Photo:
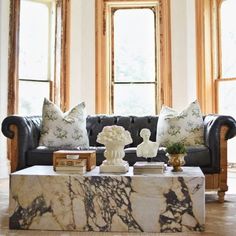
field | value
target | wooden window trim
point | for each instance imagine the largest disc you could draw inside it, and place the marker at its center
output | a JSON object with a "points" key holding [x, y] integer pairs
{"points": [[13, 57], [62, 7], [204, 54], [164, 68]]}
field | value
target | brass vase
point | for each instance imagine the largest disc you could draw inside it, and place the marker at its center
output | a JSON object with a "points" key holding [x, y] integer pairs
{"points": [[176, 160]]}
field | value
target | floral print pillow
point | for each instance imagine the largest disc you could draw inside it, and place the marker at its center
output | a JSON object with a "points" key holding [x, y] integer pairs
{"points": [[185, 127], [63, 129]]}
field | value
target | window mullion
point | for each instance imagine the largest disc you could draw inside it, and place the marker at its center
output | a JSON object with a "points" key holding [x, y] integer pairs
{"points": [[137, 82], [33, 80]]}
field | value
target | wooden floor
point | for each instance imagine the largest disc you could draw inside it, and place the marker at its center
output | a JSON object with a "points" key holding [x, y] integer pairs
{"points": [[220, 218]]}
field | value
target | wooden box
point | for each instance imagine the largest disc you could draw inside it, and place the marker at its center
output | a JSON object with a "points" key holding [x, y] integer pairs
{"points": [[90, 156]]}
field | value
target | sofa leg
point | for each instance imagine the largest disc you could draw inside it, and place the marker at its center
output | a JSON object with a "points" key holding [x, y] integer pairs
{"points": [[223, 187], [221, 192], [221, 196]]}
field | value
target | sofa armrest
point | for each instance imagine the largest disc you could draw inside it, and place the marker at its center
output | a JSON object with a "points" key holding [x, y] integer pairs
{"points": [[217, 130], [214, 125], [23, 132], [212, 128]]}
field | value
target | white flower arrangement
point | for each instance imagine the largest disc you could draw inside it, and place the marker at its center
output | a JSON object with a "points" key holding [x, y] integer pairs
{"points": [[114, 138], [114, 134]]}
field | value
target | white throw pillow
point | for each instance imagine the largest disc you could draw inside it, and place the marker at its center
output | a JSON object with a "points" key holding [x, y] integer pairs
{"points": [[185, 127], [63, 129]]}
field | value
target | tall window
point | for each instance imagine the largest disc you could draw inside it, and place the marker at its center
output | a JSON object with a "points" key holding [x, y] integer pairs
{"points": [[228, 38], [216, 50], [226, 85], [38, 52], [36, 44], [227, 79], [134, 69], [132, 56]]}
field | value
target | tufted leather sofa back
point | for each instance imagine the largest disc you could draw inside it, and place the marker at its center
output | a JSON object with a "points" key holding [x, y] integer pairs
{"points": [[29, 128], [28, 133], [133, 124]]}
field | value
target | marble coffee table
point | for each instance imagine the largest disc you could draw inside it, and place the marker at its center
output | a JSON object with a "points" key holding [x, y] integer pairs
{"points": [[45, 200]]}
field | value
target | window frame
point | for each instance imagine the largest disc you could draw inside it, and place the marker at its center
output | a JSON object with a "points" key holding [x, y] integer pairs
{"points": [[50, 74], [209, 54], [206, 53], [112, 10], [61, 54], [220, 78], [103, 51]]}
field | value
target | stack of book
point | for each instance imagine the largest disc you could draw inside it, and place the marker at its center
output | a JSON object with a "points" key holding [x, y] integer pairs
{"points": [[63, 155], [142, 167], [71, 166]]}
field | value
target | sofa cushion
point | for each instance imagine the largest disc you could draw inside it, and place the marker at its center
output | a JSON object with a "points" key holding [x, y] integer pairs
{"points": [[40, 156], [196, 156], [185, 127], [133, 124], [63, 129]]}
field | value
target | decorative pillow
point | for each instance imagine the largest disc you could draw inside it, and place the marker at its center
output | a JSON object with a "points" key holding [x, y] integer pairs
{"points": [[63, 129], [185, 127]]}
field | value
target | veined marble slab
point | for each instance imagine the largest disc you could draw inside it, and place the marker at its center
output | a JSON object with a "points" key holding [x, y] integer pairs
{"points": [[171, 202]]}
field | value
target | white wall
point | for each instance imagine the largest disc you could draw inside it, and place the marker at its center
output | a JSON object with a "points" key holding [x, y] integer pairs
{"points": [[4, 29], [83, 53], [191, 51], [183, 52]]}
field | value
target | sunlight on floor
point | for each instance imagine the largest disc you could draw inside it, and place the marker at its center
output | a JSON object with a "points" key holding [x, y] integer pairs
{"points": [[4, 168], [232, 181]]}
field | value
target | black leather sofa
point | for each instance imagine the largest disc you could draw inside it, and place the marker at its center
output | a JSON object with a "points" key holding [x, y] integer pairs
{"points": [[211, 158]]}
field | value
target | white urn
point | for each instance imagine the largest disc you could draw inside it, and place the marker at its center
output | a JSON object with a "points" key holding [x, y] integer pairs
{"points": [[114, 138]]}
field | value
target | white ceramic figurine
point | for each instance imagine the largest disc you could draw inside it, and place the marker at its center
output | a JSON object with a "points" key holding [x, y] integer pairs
{"points": [[114, 138], [147, 148]]}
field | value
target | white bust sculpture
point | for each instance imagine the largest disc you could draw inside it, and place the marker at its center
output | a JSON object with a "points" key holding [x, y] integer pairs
{"points": [[147, 148]]}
